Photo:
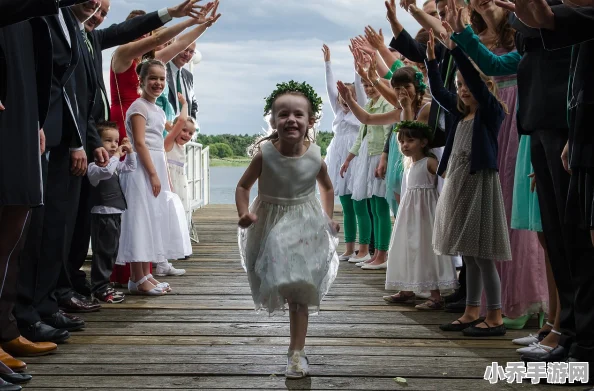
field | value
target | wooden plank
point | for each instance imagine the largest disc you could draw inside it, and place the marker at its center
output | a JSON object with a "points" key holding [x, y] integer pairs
{"points": [[206, 335]]}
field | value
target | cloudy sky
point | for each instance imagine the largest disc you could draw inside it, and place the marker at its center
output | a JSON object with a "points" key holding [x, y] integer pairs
{"points": [[258, 43]]}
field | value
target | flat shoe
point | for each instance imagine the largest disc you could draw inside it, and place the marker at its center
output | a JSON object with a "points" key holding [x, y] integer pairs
{"points": [[369, 266], [399, 298], [362, 259], [430, 305], [458, 326], [16, 378], [489, 331]]}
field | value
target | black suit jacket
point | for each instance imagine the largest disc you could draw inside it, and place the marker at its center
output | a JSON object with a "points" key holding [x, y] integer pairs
{"points": [[417, 52], [115, 35], [14, 11], [61, 122], [187, 89]]}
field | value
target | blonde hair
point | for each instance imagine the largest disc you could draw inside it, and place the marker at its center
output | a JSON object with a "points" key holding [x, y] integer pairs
{"points": [[190, 119]]}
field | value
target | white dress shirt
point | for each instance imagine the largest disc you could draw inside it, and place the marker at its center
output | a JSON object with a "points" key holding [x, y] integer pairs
{"points": [[97, 174]]}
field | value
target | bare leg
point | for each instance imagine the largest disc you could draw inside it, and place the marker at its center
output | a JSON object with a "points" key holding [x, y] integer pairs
{"points": [[293, 325], [552, 339], [137, 271], [302, 321], [350, 248], [379, 257]]}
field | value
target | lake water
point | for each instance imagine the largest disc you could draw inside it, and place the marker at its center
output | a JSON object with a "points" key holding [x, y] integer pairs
{"points": [[223, 182]]}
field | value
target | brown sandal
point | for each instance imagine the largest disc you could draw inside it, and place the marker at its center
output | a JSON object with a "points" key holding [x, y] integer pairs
{"points": [[399, 298], [430, 305]]}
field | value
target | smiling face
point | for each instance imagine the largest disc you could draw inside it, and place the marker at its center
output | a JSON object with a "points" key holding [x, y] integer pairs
{"points": [[291, 117], [186, 56], [98, 17], [153, 83], [187, 133], [86, 10], [370, 91], [110, 138]]}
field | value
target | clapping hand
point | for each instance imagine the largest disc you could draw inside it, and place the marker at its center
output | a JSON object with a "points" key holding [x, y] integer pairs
{"points": [[533, 13], [247, 219], [457, 17], [326, 51], [375, 40]]}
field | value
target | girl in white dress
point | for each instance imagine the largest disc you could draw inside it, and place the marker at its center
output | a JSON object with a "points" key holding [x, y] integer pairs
{"points": [[413, 267], [153, 226], [287, 240], [346, 129]]}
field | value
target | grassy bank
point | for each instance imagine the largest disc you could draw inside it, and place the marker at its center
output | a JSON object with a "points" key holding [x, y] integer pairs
{"points": [[230, 162]]}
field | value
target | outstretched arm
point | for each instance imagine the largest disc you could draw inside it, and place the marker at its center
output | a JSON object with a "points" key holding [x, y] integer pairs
{"points": [[179, 125], [572, 26], [488, 62], [363, 116]]}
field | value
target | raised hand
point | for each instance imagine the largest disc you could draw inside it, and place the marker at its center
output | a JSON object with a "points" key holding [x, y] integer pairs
{"points": [[407, 3], [344, 92], [404, 99], [213, 17], [181, 99], [533, 13], [362, 44], [187, 8], [375, 40], [431, 46], [247, 219], [326, 51], [446, 38], [391, 11], [457, 17]]}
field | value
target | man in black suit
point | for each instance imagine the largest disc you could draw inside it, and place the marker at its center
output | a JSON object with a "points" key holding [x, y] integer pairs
{"points": [[95, 42], [72, 96], [182, 80]]}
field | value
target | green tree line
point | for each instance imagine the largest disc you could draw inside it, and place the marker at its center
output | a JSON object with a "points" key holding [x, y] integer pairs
{"points": [[233, 145]]}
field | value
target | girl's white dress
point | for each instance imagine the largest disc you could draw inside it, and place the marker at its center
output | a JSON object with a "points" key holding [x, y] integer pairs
{"points": [[412, 264], [346, 129], [176, 161], [289, 254], [154, 229]]}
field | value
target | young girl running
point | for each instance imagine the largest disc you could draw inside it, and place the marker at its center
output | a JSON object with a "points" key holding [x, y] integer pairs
{"points": [[286, 239], [413, 267], [364, 184], [345, 128], [470, 216], [153, 226]]}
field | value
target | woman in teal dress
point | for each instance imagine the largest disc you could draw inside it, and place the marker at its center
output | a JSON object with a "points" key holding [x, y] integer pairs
{"points": [[525, 207], [164, 104]]}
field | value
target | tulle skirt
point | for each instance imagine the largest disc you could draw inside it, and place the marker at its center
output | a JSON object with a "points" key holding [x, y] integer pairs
{"points": [[337, 152], [289, 255], [363, 182], [154, 229]]}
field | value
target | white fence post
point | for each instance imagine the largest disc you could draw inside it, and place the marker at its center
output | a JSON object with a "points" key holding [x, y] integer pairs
{"points": [[198, 176]]}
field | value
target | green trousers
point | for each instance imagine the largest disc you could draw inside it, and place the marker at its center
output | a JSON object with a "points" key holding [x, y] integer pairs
{"points": [[382, 225]]}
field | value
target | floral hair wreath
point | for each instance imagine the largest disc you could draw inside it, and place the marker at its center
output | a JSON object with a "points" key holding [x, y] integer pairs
{"points": [[415, 125], [293, 86]]}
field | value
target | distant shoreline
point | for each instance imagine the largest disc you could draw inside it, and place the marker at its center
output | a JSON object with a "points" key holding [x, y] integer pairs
{"points": [[233, 162]]}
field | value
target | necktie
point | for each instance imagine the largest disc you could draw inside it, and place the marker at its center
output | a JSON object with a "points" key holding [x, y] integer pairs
{"points": [[179, 89], [103, 97]]}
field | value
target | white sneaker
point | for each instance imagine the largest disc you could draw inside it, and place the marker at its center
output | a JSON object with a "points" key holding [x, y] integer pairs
{"points": [[362, 259], [167, 269], [346, 257], [297, 365], [526, 341], [535, 348]]}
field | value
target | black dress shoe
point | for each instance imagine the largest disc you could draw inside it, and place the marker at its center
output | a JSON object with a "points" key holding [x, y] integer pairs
{"points": [[62, 322], [41, 332], [78, 303], [456, 307], [4, 386], [16, 378], [558, 354], [489, 331]]}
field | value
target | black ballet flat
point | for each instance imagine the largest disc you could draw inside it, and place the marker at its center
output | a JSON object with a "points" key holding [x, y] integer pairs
{"points": [[489, 331], [458, 326]]}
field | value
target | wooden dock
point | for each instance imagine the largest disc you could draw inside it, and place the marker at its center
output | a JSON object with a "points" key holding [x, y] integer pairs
{"points": [[205, 335]]}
